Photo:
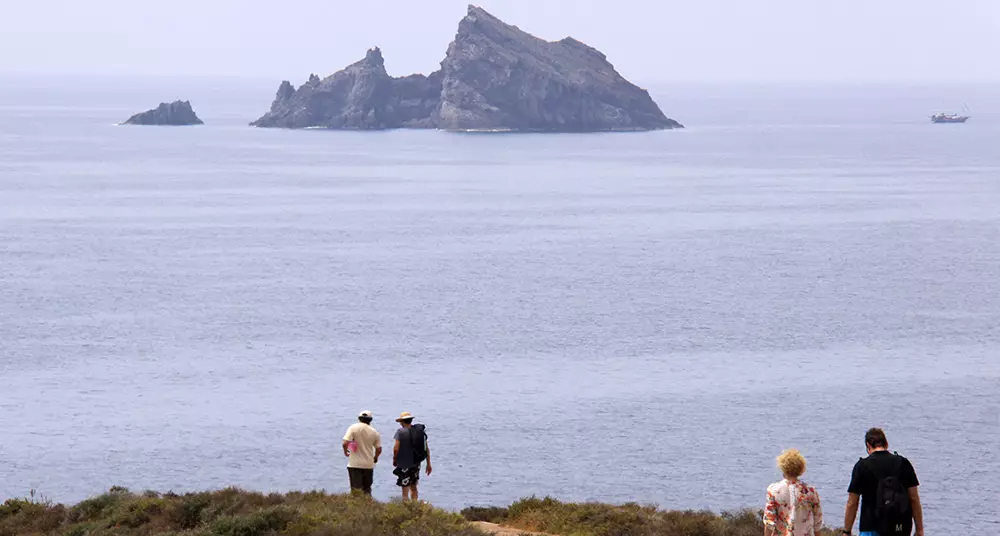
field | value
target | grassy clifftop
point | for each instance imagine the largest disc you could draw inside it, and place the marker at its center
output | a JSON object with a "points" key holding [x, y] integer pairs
{"points": [[229, 512], [233, 512], [594, 519]]}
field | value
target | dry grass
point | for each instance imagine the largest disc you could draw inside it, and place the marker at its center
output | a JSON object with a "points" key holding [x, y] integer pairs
{"points": [[229, 512], [592, 519], [234, 512]]}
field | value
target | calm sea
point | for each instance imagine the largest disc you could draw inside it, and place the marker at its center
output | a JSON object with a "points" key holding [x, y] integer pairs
{"points": [[631, 317]]}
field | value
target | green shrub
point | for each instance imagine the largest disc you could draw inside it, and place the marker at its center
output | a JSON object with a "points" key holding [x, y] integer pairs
{"points": [[235, 502], [99, 507], [184, 511], [78, 530], [136, 513], [490, 514], [269, 521], [13, 507], [25, 516]]}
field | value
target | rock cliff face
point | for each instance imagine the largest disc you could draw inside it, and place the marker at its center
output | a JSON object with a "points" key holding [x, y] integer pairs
{"points": [[494, 77], [361, 97], [499, 77], [177, 113]]}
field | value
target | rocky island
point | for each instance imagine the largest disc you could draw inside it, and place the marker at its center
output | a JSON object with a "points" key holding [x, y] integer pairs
{"points": [[495, 77], [177, 113]]}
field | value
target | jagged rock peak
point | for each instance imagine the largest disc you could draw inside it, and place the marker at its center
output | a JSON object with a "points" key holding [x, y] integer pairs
{"points": [[361, 96], [499, 77], [478, 19], [495, 76], [476, 12], [285, 91], [177, 113], [374, 57]]}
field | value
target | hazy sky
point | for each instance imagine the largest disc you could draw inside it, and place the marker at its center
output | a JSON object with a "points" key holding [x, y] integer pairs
{"points": [[647, 40]]}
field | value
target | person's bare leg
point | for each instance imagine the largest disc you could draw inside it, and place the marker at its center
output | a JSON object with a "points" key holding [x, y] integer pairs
{"points": [[406, 493], [414, 494]]}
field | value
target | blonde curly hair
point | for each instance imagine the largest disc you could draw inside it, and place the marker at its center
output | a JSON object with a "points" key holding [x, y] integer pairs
{"points": [[792, 463]]}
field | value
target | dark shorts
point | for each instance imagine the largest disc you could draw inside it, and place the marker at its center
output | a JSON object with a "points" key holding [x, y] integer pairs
{"points": [[361, 479], [407, 477]]}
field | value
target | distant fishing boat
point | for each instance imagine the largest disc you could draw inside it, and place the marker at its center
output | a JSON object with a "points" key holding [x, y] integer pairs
{"points": [[952, 118], [949, 118]]}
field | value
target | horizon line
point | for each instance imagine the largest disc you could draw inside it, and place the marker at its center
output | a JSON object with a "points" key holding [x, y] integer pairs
{"points": [[277, 78]]}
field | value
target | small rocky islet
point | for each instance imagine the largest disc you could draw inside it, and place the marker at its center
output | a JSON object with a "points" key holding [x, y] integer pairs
{"points": [[177, 113], [495, 77]]}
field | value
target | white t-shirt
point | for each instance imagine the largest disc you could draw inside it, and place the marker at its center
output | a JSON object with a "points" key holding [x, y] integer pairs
{"points": [[367, 439]]}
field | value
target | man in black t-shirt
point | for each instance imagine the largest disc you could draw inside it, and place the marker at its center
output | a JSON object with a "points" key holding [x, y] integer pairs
{"points": [[864, 485]]}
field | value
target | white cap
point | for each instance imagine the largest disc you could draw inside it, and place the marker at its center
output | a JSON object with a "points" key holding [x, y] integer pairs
{"points": [[366, 414]]}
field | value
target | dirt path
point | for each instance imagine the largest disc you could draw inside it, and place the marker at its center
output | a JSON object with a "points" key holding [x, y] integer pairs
{"points": [[497, 530]]}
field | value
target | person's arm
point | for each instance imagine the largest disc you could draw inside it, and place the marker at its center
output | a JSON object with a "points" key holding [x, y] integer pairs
{"points": [[378, 452], [770, 514], [918, 511], [858, 481], [851, 511], [428, 449], [817, 515], [395, 453], [909, 479]]}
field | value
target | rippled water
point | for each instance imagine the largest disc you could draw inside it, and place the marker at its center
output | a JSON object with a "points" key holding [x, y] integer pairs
{"points": [[646, 317]]}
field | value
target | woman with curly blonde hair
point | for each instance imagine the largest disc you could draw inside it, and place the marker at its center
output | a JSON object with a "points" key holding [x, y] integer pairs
{"points": [[792, 507]]}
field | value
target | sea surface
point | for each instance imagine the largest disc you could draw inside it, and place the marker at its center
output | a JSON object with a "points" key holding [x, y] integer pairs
{"points": [[644, 317]]}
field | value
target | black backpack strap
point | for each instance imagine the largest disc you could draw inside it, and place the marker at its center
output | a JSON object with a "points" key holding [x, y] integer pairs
{"points": [[872, 468], [898, 466]]}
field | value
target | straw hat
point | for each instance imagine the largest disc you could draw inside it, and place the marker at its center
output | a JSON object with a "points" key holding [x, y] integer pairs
{"points": [[406, 415]]}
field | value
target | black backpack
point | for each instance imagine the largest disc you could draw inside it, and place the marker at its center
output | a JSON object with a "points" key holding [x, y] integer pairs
{"points": [[893, 512], [418, 442]]}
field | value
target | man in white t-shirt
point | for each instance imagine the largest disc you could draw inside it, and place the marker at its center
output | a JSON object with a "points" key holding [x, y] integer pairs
{"points": [[362, 447]]}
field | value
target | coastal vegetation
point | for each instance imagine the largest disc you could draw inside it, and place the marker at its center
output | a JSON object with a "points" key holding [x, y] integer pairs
{"points": [[234, 512], [228, 512], [595, 519]]}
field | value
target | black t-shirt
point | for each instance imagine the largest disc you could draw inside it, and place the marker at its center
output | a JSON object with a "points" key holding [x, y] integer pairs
{"points": [[865, 483]]}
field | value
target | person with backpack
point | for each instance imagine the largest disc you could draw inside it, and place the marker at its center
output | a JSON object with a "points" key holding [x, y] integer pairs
{"points": [[409, 452], [886, 486]]}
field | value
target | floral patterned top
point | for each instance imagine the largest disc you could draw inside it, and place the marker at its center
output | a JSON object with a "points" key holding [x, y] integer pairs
{"points": [[793, 509]]}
